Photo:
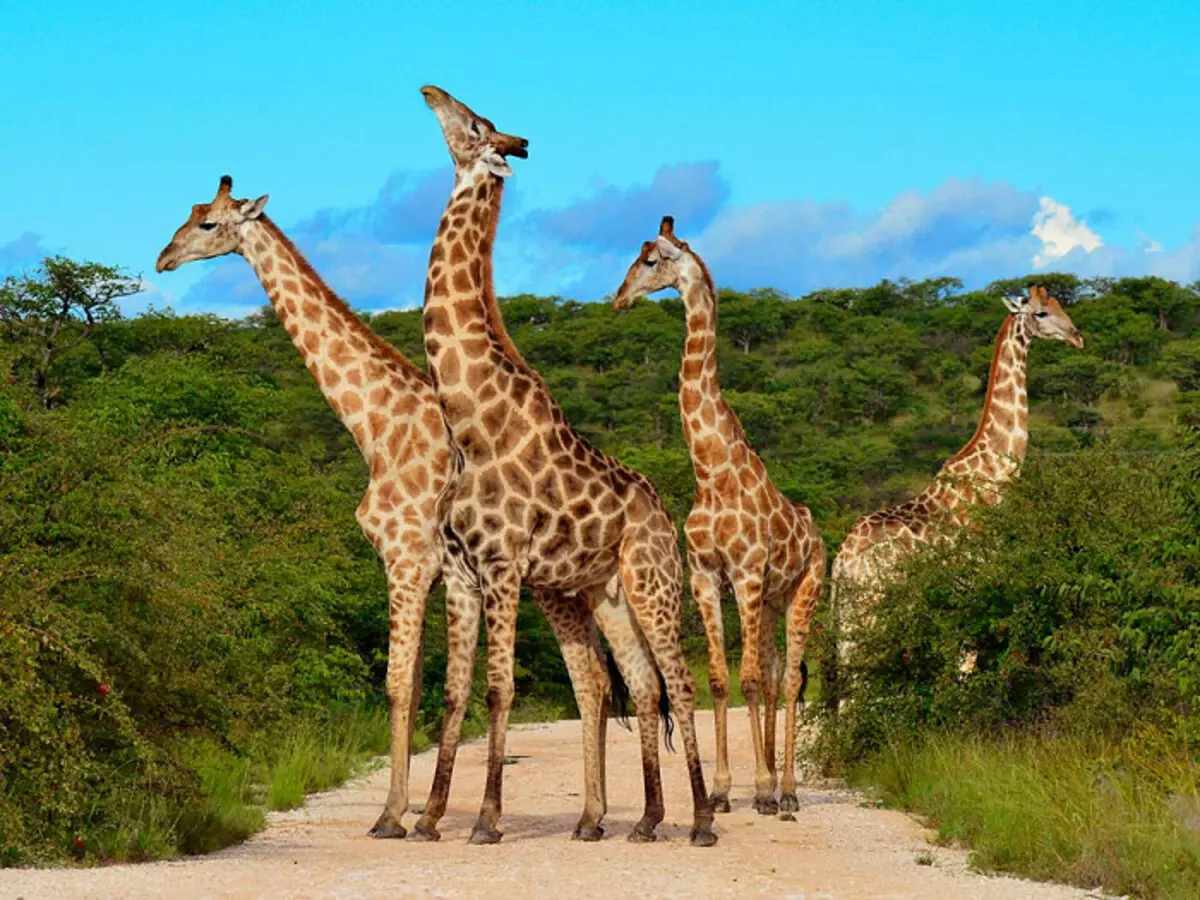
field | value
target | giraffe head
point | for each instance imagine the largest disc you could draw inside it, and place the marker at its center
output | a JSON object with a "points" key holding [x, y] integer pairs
{"points": [[659, 265], [213, 229], [470, 138], [1044, 317]]}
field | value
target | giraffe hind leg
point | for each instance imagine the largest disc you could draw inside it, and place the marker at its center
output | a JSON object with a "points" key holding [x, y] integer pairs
{"points": [[655, 599], [635, 669], [800, 612], [575, 629]]}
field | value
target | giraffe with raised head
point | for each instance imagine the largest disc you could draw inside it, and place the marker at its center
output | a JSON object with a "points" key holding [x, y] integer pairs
{"points": [[742, 534], [391, 409], [533, 503], [877, 544]]}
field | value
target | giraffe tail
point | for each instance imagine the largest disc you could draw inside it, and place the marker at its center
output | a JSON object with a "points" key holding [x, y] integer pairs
{"points": [[664, 713], [803, 682], [620, 690], [620, 700]]}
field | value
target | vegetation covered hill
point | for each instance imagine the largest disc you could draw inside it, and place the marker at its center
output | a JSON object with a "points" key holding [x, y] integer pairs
{"points": [[183, 580]]}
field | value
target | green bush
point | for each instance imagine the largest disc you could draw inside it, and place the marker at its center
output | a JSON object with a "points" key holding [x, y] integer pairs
{"points": [[1080, 595]]}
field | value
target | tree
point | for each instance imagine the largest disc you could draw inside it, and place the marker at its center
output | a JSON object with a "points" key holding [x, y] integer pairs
{"points": [[1063, 286], [58, 308]]}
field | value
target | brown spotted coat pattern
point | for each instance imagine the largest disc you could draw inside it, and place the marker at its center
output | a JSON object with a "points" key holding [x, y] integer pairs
{"points": [[532, 502], [743, 535]]}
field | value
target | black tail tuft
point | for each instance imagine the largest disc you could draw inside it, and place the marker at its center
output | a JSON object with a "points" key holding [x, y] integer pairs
{"points": [[664, 712], [620, 691], [803, 682]]}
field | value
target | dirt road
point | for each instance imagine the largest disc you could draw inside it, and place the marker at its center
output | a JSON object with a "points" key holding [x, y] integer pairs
{"points": [[836, 850]]}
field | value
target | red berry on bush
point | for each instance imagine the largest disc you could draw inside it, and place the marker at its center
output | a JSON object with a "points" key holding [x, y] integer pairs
{"points": [[77, 843], [820, 628], [103, 689]]}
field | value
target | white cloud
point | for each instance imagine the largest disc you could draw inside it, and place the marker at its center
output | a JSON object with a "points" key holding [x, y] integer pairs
{"points": [[1060, 232]]}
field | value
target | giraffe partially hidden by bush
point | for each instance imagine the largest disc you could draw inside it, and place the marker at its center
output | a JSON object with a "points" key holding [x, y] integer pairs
{"points": [[877, 544]]}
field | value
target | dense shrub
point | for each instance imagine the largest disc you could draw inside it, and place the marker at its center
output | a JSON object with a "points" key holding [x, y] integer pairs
{"points": [[182, 581], [1080, 595]]}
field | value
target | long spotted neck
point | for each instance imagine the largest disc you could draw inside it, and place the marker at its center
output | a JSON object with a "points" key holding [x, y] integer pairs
{"points": [[703, 411], [465, 340], [1001, 440], [349, 361]]}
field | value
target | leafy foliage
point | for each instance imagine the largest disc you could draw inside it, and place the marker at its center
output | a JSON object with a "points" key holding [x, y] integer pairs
{"points": [[183, 579]]}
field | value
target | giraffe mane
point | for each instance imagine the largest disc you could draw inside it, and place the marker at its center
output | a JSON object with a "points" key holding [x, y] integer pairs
{"points": [[353, 322], [1001, 336]]}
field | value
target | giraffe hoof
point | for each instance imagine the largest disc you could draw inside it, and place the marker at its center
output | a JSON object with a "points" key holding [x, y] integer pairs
{"points": [[587, 833], [388, 827], [788, 803], [766, 805], [485, 836], [641, 836], [425, 833], [703, 837], [720, 804]]}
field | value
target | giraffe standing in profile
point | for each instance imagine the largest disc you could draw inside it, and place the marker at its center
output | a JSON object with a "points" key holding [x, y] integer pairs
{"points": [[391, 409], [877, 544], [742, 534], [534, 503]]}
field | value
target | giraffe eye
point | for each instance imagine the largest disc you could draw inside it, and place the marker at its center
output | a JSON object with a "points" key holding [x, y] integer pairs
{"points": [[475, 130], [1041, 315], [207, 226], [651, 263]]}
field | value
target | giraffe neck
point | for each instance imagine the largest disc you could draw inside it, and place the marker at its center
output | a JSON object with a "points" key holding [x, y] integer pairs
{"points": [[699, 384], [1001, 439], [465, 340], [351, 364]]}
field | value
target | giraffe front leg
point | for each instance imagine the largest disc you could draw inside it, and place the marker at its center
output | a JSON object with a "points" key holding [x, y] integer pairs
{"points": [[463, 605], [801, 610], [406, 609], [748, 588], [501, 593], [708, 600], [575, 629]]}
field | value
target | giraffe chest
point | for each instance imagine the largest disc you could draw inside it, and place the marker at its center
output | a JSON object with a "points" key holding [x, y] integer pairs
{"points": [[559, 526]]}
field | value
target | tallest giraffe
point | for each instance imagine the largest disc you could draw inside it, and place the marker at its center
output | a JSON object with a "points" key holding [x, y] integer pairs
{"points": [[533, 502]]}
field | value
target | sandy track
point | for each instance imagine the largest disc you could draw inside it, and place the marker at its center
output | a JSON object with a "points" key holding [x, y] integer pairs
{"points": [[836, 850]]}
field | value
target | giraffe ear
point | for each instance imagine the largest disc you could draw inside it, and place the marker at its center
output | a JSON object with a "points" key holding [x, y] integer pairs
{"points": [[1016, 304], [252, 209], [667, 249], [497, 164]]}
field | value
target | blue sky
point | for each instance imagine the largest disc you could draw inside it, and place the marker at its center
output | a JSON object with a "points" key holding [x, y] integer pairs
{"points": [[799, 144]]}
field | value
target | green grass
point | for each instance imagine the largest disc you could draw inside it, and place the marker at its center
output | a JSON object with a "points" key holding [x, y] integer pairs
{"points": [[233, 791], [1120, 816], [699, 668], [316, 757]]}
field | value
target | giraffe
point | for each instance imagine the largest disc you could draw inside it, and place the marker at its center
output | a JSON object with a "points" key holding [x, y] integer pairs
{"points": [[534, 503], [742, 533], [875, 547], [391, 409]]}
